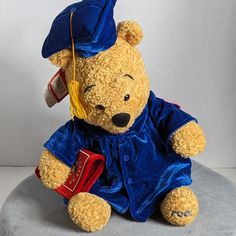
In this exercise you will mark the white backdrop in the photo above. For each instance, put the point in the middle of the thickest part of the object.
(190, 54)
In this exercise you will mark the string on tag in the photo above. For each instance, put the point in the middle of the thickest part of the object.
(76, 107)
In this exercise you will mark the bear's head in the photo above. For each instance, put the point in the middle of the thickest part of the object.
(114, 86)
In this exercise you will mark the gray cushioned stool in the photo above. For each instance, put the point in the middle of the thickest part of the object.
(32, 210)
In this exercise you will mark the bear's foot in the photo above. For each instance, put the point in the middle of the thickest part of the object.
(90, 212)
(180, 206)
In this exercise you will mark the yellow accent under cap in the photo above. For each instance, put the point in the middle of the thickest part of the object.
(76, 108)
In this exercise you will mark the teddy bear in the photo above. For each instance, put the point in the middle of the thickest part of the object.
(147, 141)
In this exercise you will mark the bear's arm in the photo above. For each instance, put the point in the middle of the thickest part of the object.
(189, 140)
(59, 156)
(177, 127)
(53, 172)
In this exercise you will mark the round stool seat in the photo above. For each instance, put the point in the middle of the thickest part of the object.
(31, 209)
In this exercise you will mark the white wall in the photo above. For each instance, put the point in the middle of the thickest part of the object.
(190, 54)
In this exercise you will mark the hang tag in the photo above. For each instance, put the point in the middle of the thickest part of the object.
(56, 89)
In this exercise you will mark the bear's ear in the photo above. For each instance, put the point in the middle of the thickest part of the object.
(62, 58)
(130, 31)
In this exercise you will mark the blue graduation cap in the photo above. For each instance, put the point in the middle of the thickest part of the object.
(93, 27)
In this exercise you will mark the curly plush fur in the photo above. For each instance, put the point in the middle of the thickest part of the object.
(89, 211)
(52, 171)
(180, 206)
(130, 31)
(108, 70)
(189, 140)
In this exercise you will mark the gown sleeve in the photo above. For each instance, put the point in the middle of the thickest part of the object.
(167, 117)
(63, 145)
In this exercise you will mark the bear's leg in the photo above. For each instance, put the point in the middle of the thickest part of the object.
(89, 212)
(180, 206)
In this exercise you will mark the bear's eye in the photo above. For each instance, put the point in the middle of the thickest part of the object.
(127, 97)
(100, 107)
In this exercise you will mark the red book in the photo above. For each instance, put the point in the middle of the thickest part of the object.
(89, 166)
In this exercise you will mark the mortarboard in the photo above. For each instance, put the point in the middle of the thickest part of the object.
(93, 26)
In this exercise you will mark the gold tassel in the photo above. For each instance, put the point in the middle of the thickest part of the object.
(76, 107)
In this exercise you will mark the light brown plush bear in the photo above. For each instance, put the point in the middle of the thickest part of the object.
(114, 90)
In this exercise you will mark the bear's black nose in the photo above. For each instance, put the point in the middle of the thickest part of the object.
(121, 119)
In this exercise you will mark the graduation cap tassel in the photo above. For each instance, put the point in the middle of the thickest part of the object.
(76, 108)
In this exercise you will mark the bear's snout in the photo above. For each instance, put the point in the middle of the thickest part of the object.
(121, 119)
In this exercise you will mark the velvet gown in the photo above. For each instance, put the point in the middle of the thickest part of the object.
(141, 167)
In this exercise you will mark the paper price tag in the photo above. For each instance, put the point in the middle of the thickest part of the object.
(56, 89)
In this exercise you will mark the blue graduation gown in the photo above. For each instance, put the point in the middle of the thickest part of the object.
(141, 167)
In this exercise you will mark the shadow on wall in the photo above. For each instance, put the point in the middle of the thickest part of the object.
(189, 50)
(26, 123)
